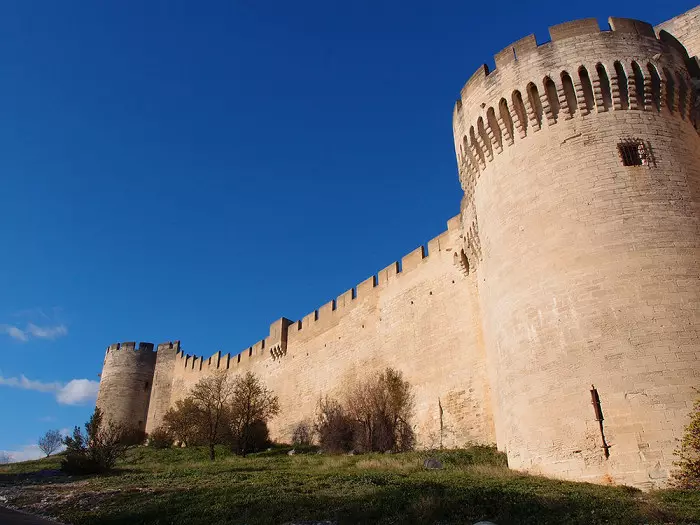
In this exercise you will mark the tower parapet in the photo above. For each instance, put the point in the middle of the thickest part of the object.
(580, 165)
(582, 71)
(125, 383)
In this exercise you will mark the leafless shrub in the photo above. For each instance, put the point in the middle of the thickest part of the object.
(99, 449)
(382, 407)
(251, 407)
(303, 433)
(333, 426)
(183, 422)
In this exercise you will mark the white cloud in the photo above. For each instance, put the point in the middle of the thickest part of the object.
(75, 392)
(14, 332)
(24, 454)
(47, 332)
(32, 331)
(78, 392)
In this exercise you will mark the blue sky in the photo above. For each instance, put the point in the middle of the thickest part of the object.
(196, 170)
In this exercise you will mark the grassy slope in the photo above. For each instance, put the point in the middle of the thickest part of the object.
(181, 486)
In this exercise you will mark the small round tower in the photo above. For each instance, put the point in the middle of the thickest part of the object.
(126, 382)
(580, 164)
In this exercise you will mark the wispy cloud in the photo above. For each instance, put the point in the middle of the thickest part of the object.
(75, 392)
(32, 331)
(25, 453)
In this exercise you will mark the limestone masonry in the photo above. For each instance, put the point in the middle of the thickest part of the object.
(573, 262)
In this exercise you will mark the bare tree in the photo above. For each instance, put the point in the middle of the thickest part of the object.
(4, 457)
(252, 405)
(211, 396)
(333, 426)
(184, 422)
(303, 433)
(50, 442)
(382, 407)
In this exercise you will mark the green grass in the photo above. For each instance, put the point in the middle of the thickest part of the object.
(181, 486)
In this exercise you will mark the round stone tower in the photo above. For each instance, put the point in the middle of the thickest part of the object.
(126, 382)
(580, 164)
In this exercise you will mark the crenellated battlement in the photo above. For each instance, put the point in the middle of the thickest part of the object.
(329, 314)
(131, 346)
(581, 72)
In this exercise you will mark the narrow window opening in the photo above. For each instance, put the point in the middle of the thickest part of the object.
(484, 136)
(533, 96)
(519, 106)
(682, 95)
(250, 351)
(638, 84)
(475, 144)
(622, 85)
(587, 88)
(354, 292)
(145, 386)
(495, 128)
(505, 116)
(604, 86)
(239, 358)
(655, 86)
(569, 93)
(670, 89)
(633, 153)
(552, 97)
(333, 305)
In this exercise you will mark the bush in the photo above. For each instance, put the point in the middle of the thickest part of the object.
(98, 451)
(251, 406)
(183, 423)
(382, 408)
(303, 434)
(160, 438)
(334, 427)
(688, 474)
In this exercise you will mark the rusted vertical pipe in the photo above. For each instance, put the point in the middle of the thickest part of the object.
(597, 409)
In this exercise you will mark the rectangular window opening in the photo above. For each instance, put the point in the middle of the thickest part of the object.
(633, 153)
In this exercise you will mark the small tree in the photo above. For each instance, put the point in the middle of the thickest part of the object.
(688, 474)
(382, 407)
(252, 406)
(183, 422)
(160, 438)
(4, 458)
(333, 426)
(99, 449)
(303, 433)
(211, 396)
(50, 442)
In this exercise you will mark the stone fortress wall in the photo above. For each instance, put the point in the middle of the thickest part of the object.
(419, 315)
(565, 268)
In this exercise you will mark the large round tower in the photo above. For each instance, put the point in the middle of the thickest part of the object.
(126, 382)
(580, 165)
